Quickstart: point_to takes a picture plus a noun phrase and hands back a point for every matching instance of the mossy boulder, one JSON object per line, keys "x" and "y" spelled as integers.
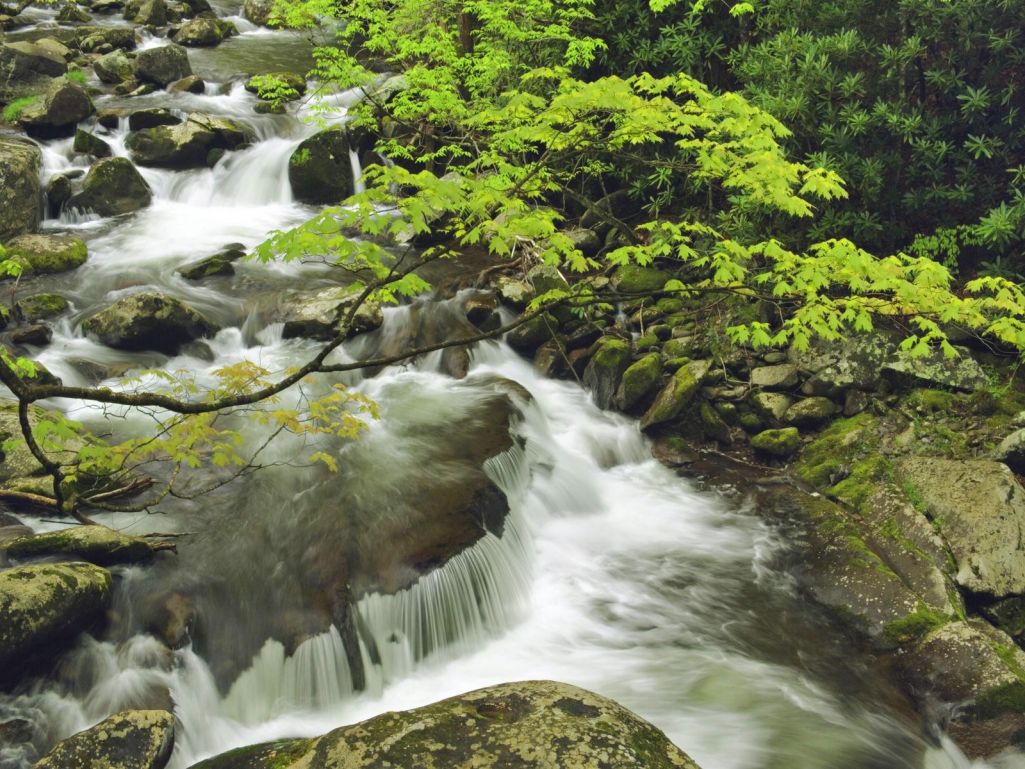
{"x": 531, "y": 334}
{"x": 528, "y": 725}
{"x": 320, "y": 169}
{"x": 112, "y": 187}
{"x": 44, "y": 604}
{"x": 162, "y": 65}
{"x": 605, "y": 370}
{"x": 770, "y": 407}
{"x": 781, "y": 377}
{"x": 810, "y": 412}
{"x": 979, "y": 509}
{"x": 204, "y": 31}
{"x": 275, "y": 81}
{"x": 638, "y": 381}
{"x": 87, "y": 143}
{"x": 777, "y": 443}
{"x": 132, "y": 739}
{"x": 95, "y": 544}
{"x": 260, "y": 12}
{"x": 47, "y": 253}
{"x": 676, "y": 395}
{"x": 58, "y": 110}
{"x": 148, "y": 321}
{"x": 322, "y": 315}
{"x": 25, "y": 67}
{"x": 41, "y": 306}
{"x": 187, "y": 144}
{"x": 634, "y": 279}
{"x": 21, "y": 195}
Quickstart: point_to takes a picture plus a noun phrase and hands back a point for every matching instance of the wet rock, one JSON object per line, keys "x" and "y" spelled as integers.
{"x": 15, "y": 731}
{"x": 147, "y": 321}
{"x": 481, "y": 310}
{"x": 93, "y": 39}
{"x": 25, "y": 67}
{"x": 204, "y": 31}
{"x": 47, "y": 253}
{"x": 544, "y": 278}
{"x": 114, "y": 67}
{"x": 323, "y": 315}
{"x": 605, "y": 370}
{"x": 40, "y": 306}
{"x": 56, "y": 113}
{"x": 58, "y": 192}
{"x": 979, "y": 669}
{"x": 72, "y": 13}
{"x": 501, "y": 726}
{"x": 170, "y": 617}
{"x": 131, "y": 739}
{"x": 190, "y": 84}
{"x": 283, "y": 83}
{"x": 320, "y": 170}
{"x": 186, "y": 145}
{"x": 112, "y": 187}
{"x": 713, "y": 426}
{"x": 979, "y": 509}
{"x": 162, "y": 65}
{"x": 259, "y": 12}
{"x": 673, "y": 451}
{"x": 530, "y": 335}
{"x": 37, "y": 335}
{"x": 207, "y": 268}
{"x": 95, "y": 544}
{"x": 550, "y": 360}
{"x": 638, "y": 381}
{"x": 810, "y": 412}
{"x": 514, "y": 292}
{"x": 780, "y": 444}
{"x": 782, "y": 377}
{"x": 152, "y": 13}
{"x": 90, "y": 144}
{"x": 21, "y": 195}
{"x": 151, "y": 118}
{"x": 676, "y": 395}
{"x": 44, "y": 604}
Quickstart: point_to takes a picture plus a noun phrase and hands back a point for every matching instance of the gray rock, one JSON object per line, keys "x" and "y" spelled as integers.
{"x": 131, "y": 739}
{"x": 258, "y": 11}
{"x": 676, "y": 395}
{"x": 21, "y": 196}
{"x": 25, "y": 67}
{"x": 1011, "y": 451}
{"x": 320, "y": 170}
{"x": 151, "y": 118}
{"x": 782, "y": 377}
{"x": 501, "y": 726}
{"x": 148, "y": 321}
{"x": 810, "y": 412}
{"x": 112, "y": 187}
{"x": 56, "y": 113}
{"x": 49, "y": 603}
{"x": 90, "y": 144}
{"x": 322, "y": 315}
{"x": 204, "y": 31}
{"x": 95, "y": 544}
{"x": 162, "y": 65}
{"x": 979, "y": 509}
{"x": 114, "y": 67}
{"x": 770, "y": 406}
{"x": 152, "y": 13}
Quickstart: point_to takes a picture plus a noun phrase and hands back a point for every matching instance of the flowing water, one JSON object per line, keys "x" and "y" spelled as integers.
{"x": 611, "y": 572}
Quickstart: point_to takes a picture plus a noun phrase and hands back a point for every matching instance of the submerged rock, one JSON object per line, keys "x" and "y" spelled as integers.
{"x": 147, "y": 321}
{"x": 132, "y": 739}
{"x": 112, "y": 187}
{"x": 21, "y": 195}
{"x": 95, "y": 544}
{"x": 43, "y": 604}
{"x": 527, "y": 725}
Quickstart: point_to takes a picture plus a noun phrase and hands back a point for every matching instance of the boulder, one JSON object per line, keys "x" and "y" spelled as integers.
{"x": 531, "y": 334}
{"x": 48, "y": 603}
{"x": 810, "y": 412}
{"x": 321, "y": 315}
{"x": 676, "y": 395}
{"x": 1011, "y": 451}
{"x": 148, "y": 321}
{"x": 514, "y": 292}
{"x": 151, "y": 118}
{"x": 162, "y": 65}
{"x": 284, "y": 83}
{"x": 634, "y": 279}
{"x": 21, "y": 196}
{"x": 95, "y": 544}
{"x": 47, "y": 253}
{"x": 190, "y": 84}
{"x": 187, "y": 145}
{"x": 777, "y": 443}
{"x": 114, "y": 67}
{"x": 204, "y": 31}
{"x": 90, "y": 144}
{"x": 131, "y": 739}
{"x": 782, "y": 377}
{"x": 259, "y": 12}
{"x": 528, "y": 725}
{"x": 40, "y": 307}
{"x": 770, "y": 406}
{"x": 61, "y": 107}
{"x": 72, "y": 13}
{"x": 638, "y": 381}
{"x": 25, "y": 67}
{"x": 152, "y": 13}
{"x": 112, "y": 187}
{"x": 93, "y": 39}
{"x": 979, "y": 509}
{"x": 605, "y": 370}
{"x": 320, "y": 170}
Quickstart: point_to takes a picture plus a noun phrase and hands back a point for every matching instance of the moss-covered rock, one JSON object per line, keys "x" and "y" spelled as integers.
{"x": 713, "y": 425}
{"x": 41, "y": 306}
{"x": 810, "y": 412}
{"x": 320, "y": 170}
{"x": 770, "y": 407}
{"x": 322, "y": 314}
{"x": 47, "y": 253}
{"x": 187, "y": 144}
{"x": 58, "y": 110}
{"x": 605, "y": 370}
{"x": 162, "y": 65}
{"x": 147, "y": 321}
{"x": 782, "y": 377}
{"x": 777, "y": 443}
{"x": 528, "y": 725}
{"x": 638, "y": 381}
{"x": 112, "y": 187}
{"x": 132, "y": 739}
{"x": 204, "y": 31}
{"x": 634, "y": 279}
{"x": 95, "y": 544}
{"x": 48, "y": 603}
{"x": 291, "y": 81}
{"x": 21, "y": 194}
{"x": 676, "y": 395}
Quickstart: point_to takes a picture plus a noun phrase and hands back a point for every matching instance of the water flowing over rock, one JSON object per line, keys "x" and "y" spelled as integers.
{"x": 112, "y": 187}
{"x": 185, "y": 145}
{"x": 20, "y": 191}
{"x": 147, "y": 321}
{"x": 45, "y": 604}
{"x": 133, "y": 739}
{"x": 531, "y": 724}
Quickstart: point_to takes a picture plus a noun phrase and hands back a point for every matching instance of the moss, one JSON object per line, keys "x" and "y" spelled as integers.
{"x": 646, "y": 342}
{"x": 669, "y": 305}
{"x": 863, "y": 480}
{"x": 40, "y": 306}
{"x": 639, "y": 379}
{"x": 915, "y": 625}
{"x": 1009, "y": 698}
{"x": 836, "y": 447}
{"x": 14, "y": 110}
{"x": 932, "y": 401}
{"x": 55, "y": 254}
{"x": 1009, "y": 655}
{"x": 777, "y": 443}
{"x": 76, "y": 75}
{"x": 632, "y": 278}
